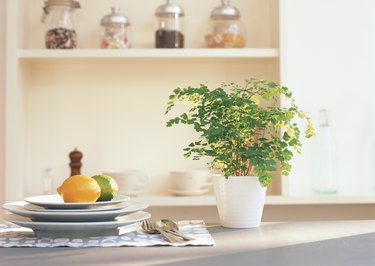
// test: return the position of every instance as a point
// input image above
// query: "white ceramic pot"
(240, 200)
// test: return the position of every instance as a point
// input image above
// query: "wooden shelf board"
(209, 200)
(149, 53)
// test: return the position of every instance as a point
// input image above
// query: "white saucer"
(133, 193)
(72, 216)
(54, 229)
(55, 201)
(189, 192)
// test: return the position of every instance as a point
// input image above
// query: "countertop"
(278, 243)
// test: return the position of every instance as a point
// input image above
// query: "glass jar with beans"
(226, 30)
(58, 18)
(169, 33)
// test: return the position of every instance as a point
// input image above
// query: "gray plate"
(73, 216)
(84, 229)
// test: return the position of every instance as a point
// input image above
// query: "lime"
(108, 187)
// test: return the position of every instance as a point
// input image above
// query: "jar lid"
(70, 3)
(50, 3)
(225, 11)
(115, 18)
(171, 8)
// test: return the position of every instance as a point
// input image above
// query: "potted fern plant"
(246, 133)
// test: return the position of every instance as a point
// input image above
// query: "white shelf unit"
(110, 103)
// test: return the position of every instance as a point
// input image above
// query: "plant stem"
(251, 170)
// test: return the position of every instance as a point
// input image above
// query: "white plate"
(72, 216)
(189, 192)
(91, 208)
(53, 229)
(55, 201)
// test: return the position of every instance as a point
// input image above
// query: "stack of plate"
(48, 215)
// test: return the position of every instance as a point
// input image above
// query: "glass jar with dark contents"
(169, 33)
(60, 25)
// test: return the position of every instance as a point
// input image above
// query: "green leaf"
(287, 154)
(255, 99)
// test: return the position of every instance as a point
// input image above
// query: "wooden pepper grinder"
(75, 162)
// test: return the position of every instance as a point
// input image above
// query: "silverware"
(151, 227)
(172, 227)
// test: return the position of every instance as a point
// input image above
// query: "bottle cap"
(225, 11)
(323, 118)
(171, 8)
(115, 18)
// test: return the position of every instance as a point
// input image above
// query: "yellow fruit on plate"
(79, 188)
(108, 187)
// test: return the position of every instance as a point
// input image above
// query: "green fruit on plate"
(108, 187)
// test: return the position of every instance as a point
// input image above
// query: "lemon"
(108, 187)
(79, 188)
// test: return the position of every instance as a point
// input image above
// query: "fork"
(151, 227)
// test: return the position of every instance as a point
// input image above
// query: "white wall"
(2, 102)
(328, 60)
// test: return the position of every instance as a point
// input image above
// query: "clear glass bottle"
(60, 25)
(48, 187)
(116, 32)
(325, 180)
(226, 30)
(170, 26)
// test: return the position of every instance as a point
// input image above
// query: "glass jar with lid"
(116, 32)
(170, 28)
(226, 30)
(60, 25)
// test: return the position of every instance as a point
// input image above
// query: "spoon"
(151, 227)
(172, 227)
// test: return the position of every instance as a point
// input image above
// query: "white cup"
(129, 182)
(190, 180)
